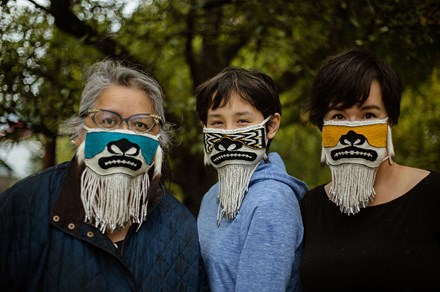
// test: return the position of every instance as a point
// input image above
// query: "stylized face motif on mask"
(119, 151)
(354, 151)
(116, 176)
(235, 154)
(239, 146)
(363, 142)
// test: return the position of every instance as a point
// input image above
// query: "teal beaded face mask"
(119, 151)
(115, 181)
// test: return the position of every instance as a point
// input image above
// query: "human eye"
(243, 122)
(337, 117)
(334, 114)
(141, 127)
(369, 116)
(215, 123)
(106, 120)
(141, 124)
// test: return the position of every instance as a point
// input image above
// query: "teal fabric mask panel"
(118, 143)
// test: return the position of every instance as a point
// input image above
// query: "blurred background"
(46, 46)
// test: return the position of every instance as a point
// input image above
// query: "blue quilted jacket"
(46, 246)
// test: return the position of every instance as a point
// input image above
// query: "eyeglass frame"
(92, 112)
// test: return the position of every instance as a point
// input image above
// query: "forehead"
(125, 100)
(234, 104)
(374, 98)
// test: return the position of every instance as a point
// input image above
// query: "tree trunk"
(49, 158)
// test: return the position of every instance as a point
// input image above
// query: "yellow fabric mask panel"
(376, 134)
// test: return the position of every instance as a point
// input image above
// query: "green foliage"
(300, 147)
(41, 71)
(183, 43)
(417, 136)
(66, 149)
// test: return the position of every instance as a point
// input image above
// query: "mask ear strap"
(80, 152)
(266, 120)
(206, 158)
(158, 156)
(390, 146)
(323, 157)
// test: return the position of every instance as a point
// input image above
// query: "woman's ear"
(273, 125)
(80, 138)
(202, 124)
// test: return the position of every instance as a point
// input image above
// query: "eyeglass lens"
(109, 120)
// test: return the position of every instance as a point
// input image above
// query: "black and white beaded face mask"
(115, 181)
(354, 151)
(235, 154)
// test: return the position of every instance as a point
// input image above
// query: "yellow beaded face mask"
(354, 151)
(361, 142)
(375, 134)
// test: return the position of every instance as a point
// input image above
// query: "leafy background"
(45, 47)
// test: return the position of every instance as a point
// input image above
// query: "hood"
(274, 168)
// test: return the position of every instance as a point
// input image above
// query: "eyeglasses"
(141, 123)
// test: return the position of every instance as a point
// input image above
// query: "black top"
(389, 247)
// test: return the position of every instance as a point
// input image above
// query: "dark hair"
(252, 86)
(345, 79)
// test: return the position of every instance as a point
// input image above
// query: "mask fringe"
(352, 187)
(112, 202)
(233, 184)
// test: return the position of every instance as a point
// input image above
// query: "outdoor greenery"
(45, 47)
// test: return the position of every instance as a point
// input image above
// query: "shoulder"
(29, 201)
(171, 204)
(316, 191)
(413, 174)
(424, 177)
(433, 177)
(210, 195)
(43, 176)
(430, 182)
(170, 209)
(397, 180)
(269, 199)
(314, 195)
(314, 201)
(272, 177)
(45, 181)
(171, 226)
(270, 189)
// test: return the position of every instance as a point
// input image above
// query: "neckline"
(402, 197)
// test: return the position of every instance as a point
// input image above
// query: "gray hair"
(103, 74)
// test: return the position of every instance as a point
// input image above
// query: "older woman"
(103, 221)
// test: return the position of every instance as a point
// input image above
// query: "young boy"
(249, 224)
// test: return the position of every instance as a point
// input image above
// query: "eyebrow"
(370, 107)
(339, 107)
(243, 113)
(214, 115)
(239, 114)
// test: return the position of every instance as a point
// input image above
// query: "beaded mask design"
(235, 154)
(354, 151)
(115, 181)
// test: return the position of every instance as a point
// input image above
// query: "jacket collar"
(68, 211)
